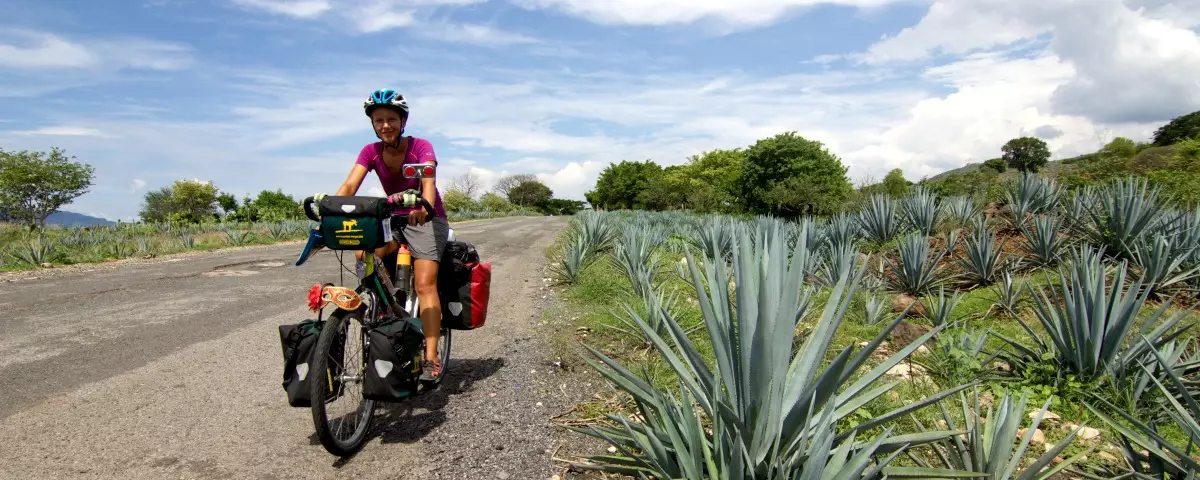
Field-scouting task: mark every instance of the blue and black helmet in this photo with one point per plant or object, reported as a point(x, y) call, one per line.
point(386, 97)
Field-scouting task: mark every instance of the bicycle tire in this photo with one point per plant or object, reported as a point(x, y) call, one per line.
point(336, 324)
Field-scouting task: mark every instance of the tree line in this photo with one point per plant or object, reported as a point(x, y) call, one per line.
point(784, 175)
point(522, 190)
point(787, 175)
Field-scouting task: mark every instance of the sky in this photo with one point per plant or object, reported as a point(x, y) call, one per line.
point(267, 94)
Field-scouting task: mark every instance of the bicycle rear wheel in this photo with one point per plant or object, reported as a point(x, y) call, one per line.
point(338, 367)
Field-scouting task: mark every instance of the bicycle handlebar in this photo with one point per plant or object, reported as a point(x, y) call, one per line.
point(312, 215)
point(421, 201)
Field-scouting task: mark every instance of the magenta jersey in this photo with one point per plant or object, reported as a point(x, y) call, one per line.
point(419, 151)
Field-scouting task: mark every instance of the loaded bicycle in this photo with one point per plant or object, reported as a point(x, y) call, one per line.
point(321, 358)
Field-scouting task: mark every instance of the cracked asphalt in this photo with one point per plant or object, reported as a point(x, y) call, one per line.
point(172, 368)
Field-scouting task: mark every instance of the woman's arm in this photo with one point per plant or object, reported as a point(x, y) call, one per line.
point(353, 181)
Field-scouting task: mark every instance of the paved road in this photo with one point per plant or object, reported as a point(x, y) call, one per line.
point(171, 368)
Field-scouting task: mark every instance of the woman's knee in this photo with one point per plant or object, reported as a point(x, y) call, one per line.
point(426, 277)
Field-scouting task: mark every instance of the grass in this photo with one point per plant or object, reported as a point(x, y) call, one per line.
point(595, 298)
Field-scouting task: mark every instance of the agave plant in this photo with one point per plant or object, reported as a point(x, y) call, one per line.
point(1124, 212)
point(837, 263)
point(878, 219)
point(1134, 392)
point(1030, 195)
point(983, 258)
point(1089, 320)
point(1043, 241)
point(715, 234)
point(1009, 294)
point(774, 410)
point(186, 239)
point(1162, 262)
point(1163, 459)
point(941, 309)
point(634, 253)
point(922, 210)
point(987, 448)
point(917, 273)
point(876, 310)
point(597, 230)
point(33, 251)
point(843, 232)
point(963, 209)
point(238, 237)
point(576, 257)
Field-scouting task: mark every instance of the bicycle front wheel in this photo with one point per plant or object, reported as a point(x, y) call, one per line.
point(338, 368)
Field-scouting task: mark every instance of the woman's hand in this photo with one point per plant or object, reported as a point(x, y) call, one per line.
point(417, 217)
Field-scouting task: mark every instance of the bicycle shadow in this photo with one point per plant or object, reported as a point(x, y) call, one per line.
point(411, 420)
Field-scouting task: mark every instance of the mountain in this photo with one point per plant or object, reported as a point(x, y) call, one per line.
point(72, 219)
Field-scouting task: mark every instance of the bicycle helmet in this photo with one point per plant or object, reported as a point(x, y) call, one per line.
point(386, 97)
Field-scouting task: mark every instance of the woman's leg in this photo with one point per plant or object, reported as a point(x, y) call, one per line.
point(431, 306)
point(427, 243)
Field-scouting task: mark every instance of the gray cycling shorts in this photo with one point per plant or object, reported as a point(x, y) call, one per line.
point(428, 241)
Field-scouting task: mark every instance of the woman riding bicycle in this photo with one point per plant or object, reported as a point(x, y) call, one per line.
point(388, 111)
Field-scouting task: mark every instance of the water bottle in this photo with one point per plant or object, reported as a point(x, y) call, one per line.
point(403, 268)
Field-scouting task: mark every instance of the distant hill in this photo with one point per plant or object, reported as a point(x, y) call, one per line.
point(1052, 167)
point(72, 219)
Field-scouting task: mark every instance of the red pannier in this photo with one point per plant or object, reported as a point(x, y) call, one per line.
point(464, 286)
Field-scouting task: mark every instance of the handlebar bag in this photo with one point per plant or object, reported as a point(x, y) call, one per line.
point(354, 223)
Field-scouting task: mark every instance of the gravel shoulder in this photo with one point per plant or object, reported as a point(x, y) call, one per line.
point(171, 369)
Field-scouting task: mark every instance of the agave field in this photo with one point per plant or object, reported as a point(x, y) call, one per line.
point(54, 245)
point(1048, 335)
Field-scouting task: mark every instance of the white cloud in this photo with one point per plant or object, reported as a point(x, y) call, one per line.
point(291, 8)
point(63, 132)
point(374, 16)
point(474, 34)
point(27, 49)
point(39, 50)
point(1111, 46)
point(136, 184)
point(726, 14)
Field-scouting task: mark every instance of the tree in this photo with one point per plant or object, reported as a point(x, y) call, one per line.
point(506, 183)
point(455, 200)
point(468, 183)
point(895, 184)
point(227, 202)
point(711, 180)
point(1026, 154)
point(530, 193)
point(194, 200)
point(1178, 129)
point(157, 205)
point(788, 175)
point(276, 206)
point(559, 206)
point(997, 164)
point(495, 203)
point(35, 184)
point(1120, 147)
point(620, 185)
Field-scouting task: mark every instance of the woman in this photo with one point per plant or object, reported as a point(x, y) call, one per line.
point(388, 111)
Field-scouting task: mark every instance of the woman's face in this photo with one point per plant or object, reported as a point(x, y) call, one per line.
point(387, 123)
